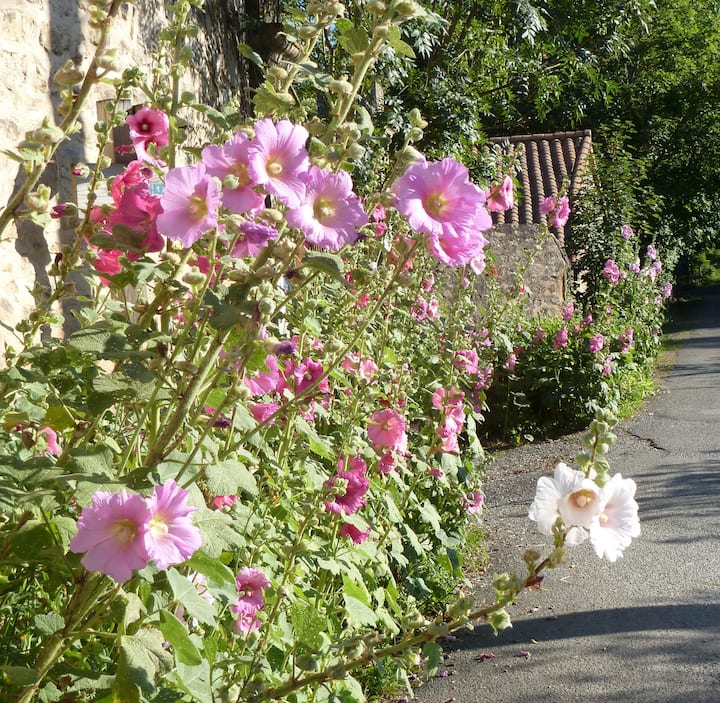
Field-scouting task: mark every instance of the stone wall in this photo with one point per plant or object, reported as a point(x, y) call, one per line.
point(546, 279)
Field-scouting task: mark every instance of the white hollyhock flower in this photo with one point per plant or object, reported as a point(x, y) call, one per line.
point(618, 520)
point(569, 495)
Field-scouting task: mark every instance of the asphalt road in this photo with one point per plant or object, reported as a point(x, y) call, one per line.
point(647, 628)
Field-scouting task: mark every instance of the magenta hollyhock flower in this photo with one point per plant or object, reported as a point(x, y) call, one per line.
point(230, 161)
point(357, 535)
point(330, 213)
point(246, 619)
point(473, 502)
point(510, 362)
point(626, 232)
point(561, 339)
point(387, 430)
point(220, 502)
point(300, 377)
point(255, 237)
point(171, 537)
point(355, 486)
point(596, 343)
point(263, 411)
point(568, 310)
point(611, 272)
point(111, 532)
point(562, 213)
point(148, 126)
point(251, 583)
point(135, 174)
point(547, 205)
point(278, 160)
point(138, 210)
point(51, 445)
point(438, 199)
point(386, 463)
point(189, 203)
point(501, 198)
point(265, 381)
point(466, 360)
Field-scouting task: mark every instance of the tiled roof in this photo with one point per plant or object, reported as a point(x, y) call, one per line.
point(546, 162)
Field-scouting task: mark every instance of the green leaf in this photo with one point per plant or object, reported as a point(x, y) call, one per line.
point(50, 623)
point(19, 675)
point(59, 418)
point(429, 513)
point(358, 614)
point(195, 680)
point(214, 569)
point(433, 654)
point(229, 477)
point(142, 659)
point(247, 51)
point(177, 635)
point(216, 530)
point(186, 594)
point(318, 445)
point(215, 116)
point(331, 264)
point(308, 624)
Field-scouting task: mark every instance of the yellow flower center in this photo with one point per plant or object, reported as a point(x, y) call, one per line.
point(323, 209)
point(158, 528)
point(582, 498)
point(241, 173)
point(197, 207)
point(603, 518)
point(124, 532)
point(274, 168)
point(435, 204)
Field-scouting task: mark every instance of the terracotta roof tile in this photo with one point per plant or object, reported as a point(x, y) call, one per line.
point(547, 162)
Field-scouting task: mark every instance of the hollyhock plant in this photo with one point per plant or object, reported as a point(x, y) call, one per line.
point(190, 204)
point(148, 126)
point(561, 339)
point(254, 237)
point(618, 523)
point(251, 583)
point(387, 430)
point(354, 486)
point(112, 533)
point(473, 502)
point(570, 496)
point(357, 535)
point(246, 620)
point(330, 214)
point(611, 272)
point(438, 199)
point(229, 163)
point(171, 537)
point(547, 205)
point(501, 197)
point(278, 160)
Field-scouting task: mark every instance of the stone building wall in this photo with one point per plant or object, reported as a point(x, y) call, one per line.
point(545, 280)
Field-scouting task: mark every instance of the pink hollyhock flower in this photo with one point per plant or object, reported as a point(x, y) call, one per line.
point(561, 339)
point(540, 334)
point(190, 203)
point(587, 320)
point(278, 160)
point(607, 367)
point(386, 430)
point(626, 232)
point(570, 496)
point(111, 532)
point(666, 290)
point(438, 199)
point(51, 445)
point(473, 502)
point(251, 583)
point(618, 522)
point(255, 237)
point(547, 205)
point(220, 502)
point(107, 261)
point(246, 619)
point(596, 343)
point(501, 198)
point(357, 535)
point(463, 248)
point(568, 310)
point(301, 377)
point(611, 272)
point(230, 162)
point(138, 210)
point(171, 537)
point(263, 411)
point(265, 381)
point(355, 486)
point(330, 213)
point(466, 360)
point(148, 126)
point(626, 340)
point(135, 174)
point(511, 362)
point(653, 270)
point(562, 213)
point(428, 283)
point(651, 252)
point(386, 463)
